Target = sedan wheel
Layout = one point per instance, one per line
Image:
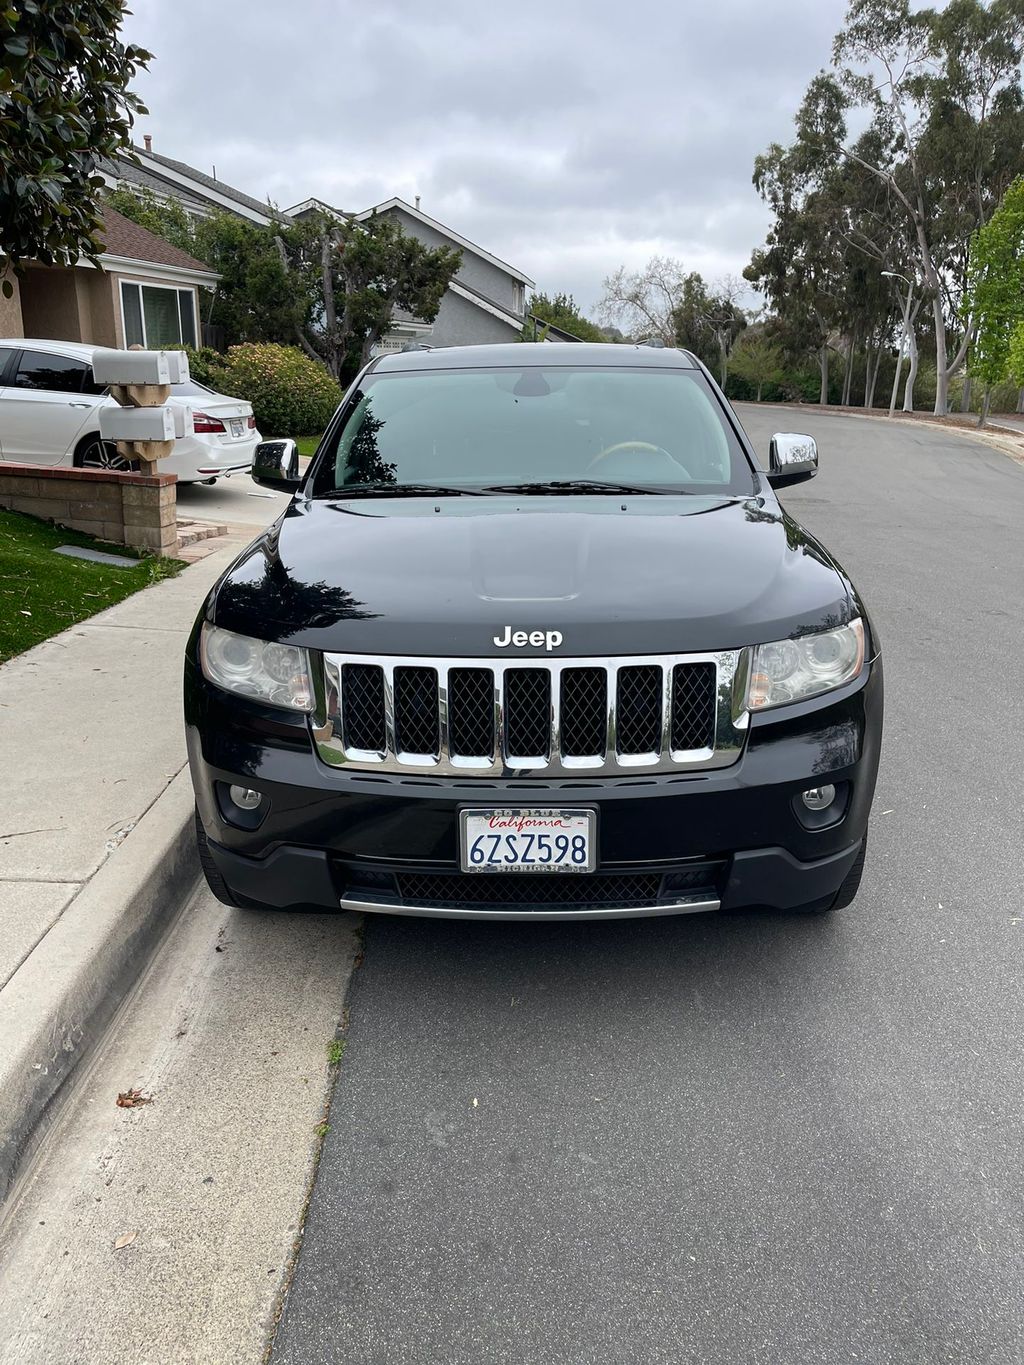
(98, 454)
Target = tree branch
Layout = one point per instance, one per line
(300, 335)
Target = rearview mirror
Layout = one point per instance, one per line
(791, 459)
(275, 464)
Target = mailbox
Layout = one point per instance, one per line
(139, 367)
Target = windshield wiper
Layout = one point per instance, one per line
(579, 486)
(401, 490)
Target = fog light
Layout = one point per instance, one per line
(248, 799)
(814, 798)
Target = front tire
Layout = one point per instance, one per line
(846, 894)
(95, 453)
(211, 872)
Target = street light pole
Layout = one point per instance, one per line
(894, 274)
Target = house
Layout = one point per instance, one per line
(148, 293)
(199, 194)
(486, 301)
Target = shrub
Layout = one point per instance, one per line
(290, 394)
(205, 365)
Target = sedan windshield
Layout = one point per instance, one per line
(537, 431)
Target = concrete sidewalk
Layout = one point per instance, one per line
(91, 739)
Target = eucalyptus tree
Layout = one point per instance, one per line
(800, 266)
(937, 93)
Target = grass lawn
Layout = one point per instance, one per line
(42, 593)
(307, 444)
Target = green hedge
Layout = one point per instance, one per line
(290, 394)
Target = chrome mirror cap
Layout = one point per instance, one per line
(791, 458)
(275, 464)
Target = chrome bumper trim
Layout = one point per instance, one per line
(682, 905)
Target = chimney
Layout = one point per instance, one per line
(417, 201)
(148, 140)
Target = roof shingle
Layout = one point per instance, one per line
(121, 237)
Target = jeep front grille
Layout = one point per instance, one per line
(484, 717)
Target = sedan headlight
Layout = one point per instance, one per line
(790, 670)
(277, 675)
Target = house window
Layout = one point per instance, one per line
(156, 317)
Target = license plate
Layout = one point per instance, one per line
(528, 840)
(237, 429)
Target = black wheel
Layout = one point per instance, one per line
(94, 453)
(214, 880)
(846, 893)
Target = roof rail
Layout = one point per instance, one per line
(652, 341)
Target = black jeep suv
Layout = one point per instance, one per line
(534, 639)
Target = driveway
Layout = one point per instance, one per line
(733, 1139)
(236, 501)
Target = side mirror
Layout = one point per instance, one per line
(791, 459)
(275, 464)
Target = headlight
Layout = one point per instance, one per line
(275, 674)
(790, 670)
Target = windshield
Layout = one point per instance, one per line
(657, 430)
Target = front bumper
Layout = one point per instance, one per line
(668, 843)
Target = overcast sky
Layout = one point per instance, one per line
(567, 137)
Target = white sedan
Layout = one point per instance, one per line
(49, 415)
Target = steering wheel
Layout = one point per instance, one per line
(645, 447)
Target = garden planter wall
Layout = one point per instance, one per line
(137, 510)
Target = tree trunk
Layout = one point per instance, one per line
(1020, 401)
(848, 375)
(871, 377)
(759, 387)
(823, 366)
(965, 397)
(908, 392)
(941, 372)
(985, 405)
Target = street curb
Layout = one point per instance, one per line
(56, 1007)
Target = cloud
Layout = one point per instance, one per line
(565, 136)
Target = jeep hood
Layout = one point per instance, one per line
(641, 575)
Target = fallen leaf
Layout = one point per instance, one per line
(131, 1099)
(125, 1240)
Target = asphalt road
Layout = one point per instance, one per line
(727, 1139)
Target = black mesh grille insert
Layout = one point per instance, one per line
(471, 712)
(694, 695)
(534, 888)
(362, 707)
(417, 723)
(638, 710)
(527, 712)
(584, 712)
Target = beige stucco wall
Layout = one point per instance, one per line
(101, 316)
(49, 304)
(10, 309)
(83, 304)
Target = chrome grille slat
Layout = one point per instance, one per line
(532, 717)
(583, 732)
(638, 711)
